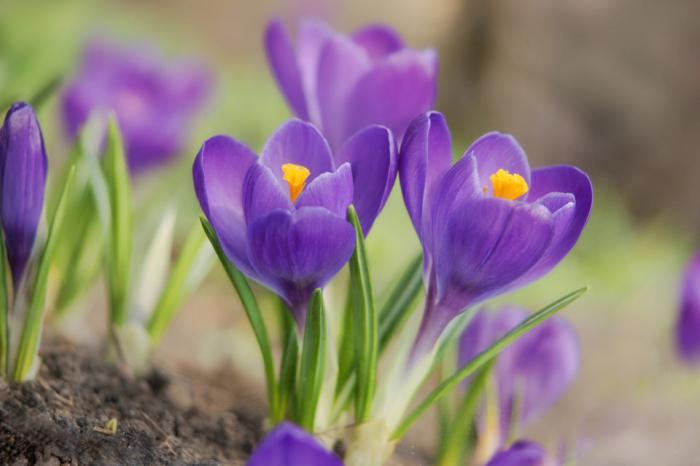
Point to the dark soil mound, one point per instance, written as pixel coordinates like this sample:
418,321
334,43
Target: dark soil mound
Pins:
62,418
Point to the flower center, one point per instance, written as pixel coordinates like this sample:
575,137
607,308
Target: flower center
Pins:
507,185
295,176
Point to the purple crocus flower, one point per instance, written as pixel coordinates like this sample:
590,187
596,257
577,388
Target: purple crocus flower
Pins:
281,218
532,373
154,101
23,166
488,224
688,324
289,445
344,83
521,453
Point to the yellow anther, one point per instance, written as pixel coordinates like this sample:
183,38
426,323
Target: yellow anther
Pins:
295,175
508,185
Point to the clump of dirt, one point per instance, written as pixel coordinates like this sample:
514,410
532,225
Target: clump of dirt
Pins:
63,417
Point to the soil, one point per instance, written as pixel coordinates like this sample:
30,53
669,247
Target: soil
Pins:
62,418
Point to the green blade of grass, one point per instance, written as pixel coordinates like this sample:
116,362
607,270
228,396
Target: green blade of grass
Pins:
484,357
31,331
250,305
365,326
182,279
398,305
120,225
288,368
313,356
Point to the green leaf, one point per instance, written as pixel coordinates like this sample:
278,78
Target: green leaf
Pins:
313,356
31,331
184,277
400,301
484,357
250,305
120,225
365,325
47,90
456,441
4,310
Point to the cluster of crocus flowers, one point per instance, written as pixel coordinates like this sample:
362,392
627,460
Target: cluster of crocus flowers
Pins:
529,376
688,322
344,83
281,218
154,101
488,224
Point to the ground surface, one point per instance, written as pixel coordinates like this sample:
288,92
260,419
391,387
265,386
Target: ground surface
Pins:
61,418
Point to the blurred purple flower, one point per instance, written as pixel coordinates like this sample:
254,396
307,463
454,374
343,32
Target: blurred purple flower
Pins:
154,101
281,218
521,453
344,83
688,324
289,445
487,224
531,374
23,166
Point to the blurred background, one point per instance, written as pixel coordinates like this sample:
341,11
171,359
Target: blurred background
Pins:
612,86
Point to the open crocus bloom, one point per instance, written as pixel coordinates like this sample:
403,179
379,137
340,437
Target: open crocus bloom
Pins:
281,218
289,445
688,324
521,453
488,224
344,83
23,166
154,101
532,373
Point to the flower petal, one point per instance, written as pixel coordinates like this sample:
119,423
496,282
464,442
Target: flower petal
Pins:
313,35
425,156
263,193
23,167
332,191
341,65
295,253
289,445
378,40
688,323
393,92
218,172
495,151
300,143
521,453
372,155
569,219
283,61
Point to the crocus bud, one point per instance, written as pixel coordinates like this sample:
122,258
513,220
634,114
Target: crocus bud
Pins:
289,444
23,168
521,453
688,324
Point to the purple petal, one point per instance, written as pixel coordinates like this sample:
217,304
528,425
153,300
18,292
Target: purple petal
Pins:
23,167
218,172
378,40
263,193
521,453
341,65
313,35
426,155
495,151
295,253
283,62
393,93
485,328
289,445
332,191
372,155
688,324
300,143
570,219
